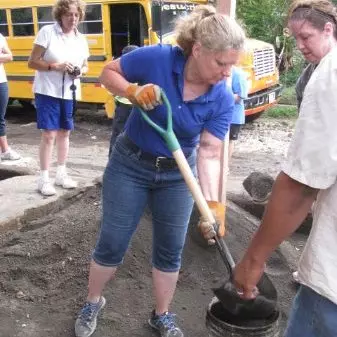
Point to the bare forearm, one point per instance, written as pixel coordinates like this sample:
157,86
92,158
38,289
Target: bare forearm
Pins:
39,65
288,206
209,175
4,58
114,82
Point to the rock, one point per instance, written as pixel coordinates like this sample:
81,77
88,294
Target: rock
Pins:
20,294
259,185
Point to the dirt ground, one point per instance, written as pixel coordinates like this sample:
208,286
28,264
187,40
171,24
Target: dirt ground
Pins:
44,266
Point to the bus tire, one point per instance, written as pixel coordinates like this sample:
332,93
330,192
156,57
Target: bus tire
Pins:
253,117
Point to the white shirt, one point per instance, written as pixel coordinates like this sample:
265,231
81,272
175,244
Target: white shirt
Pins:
312,160
3,77
59,48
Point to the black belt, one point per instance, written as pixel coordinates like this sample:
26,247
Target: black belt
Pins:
158,162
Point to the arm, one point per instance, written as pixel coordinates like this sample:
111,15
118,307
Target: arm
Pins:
36,61
237,98
113,79
85,67
288,206
208,163
6,54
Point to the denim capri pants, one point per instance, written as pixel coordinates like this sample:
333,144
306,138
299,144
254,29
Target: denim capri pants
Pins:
130,184
3,107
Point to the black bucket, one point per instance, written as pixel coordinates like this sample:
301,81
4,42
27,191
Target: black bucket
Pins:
221,323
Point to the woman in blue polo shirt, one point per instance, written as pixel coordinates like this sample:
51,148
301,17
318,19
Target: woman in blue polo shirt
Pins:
141,170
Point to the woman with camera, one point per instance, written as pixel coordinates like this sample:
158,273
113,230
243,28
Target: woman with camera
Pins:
59,57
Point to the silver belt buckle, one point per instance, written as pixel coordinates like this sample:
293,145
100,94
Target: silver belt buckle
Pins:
158,159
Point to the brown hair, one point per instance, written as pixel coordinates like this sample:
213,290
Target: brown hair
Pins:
316,12
61,7
214,31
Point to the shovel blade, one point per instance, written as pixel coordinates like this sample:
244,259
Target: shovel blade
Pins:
263,306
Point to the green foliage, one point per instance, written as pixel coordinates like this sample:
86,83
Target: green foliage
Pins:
288,96
263,19
281,111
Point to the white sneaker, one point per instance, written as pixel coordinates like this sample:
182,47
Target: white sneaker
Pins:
10,155
46,188
65,181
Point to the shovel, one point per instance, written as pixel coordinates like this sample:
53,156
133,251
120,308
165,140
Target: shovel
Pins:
264,305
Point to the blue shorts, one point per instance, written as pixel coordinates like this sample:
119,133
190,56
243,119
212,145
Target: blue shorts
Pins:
54,113
312,315
130,184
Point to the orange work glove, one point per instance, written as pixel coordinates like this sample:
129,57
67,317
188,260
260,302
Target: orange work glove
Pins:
207,230
147,96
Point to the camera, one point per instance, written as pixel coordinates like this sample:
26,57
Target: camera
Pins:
75,72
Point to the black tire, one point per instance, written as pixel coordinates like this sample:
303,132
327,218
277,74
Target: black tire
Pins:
251,118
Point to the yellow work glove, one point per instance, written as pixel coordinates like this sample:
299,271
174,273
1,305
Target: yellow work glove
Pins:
146,96
207,230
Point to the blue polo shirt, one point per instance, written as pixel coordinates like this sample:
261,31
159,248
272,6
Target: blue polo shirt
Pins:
239,87
164,65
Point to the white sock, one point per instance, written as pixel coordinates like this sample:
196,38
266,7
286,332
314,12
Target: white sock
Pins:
44,175
61,170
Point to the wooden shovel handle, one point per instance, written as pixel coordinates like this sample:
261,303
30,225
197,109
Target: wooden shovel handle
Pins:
193,186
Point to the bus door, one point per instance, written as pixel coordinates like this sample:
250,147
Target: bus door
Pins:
128,26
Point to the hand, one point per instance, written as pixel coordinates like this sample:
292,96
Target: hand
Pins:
246,276
147,96
207,229
65,67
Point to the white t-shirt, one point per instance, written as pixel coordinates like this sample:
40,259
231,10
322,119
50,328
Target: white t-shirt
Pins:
59,48
312,160
3,77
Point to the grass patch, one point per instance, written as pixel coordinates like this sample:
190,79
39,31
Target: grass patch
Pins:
280,111
288,96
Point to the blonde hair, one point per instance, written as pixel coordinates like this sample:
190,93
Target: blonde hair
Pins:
316,12
214,31
61,7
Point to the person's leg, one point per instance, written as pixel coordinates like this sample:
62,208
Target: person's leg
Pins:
233,137
3,107
124,197
312,315
46,148
171,204
62,143
6,152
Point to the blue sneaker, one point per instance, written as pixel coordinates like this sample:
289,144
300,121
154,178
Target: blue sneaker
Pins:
165,324
86,321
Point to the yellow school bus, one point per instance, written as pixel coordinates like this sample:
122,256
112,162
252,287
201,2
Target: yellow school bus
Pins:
109,26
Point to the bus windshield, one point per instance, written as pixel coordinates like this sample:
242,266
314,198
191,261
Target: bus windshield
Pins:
171,11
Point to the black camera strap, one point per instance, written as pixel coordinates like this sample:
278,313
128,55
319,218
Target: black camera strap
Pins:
73,90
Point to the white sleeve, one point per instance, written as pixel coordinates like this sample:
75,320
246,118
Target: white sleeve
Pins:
312,155
43,37
85,47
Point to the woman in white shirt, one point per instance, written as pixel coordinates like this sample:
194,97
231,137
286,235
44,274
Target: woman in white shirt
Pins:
5,56
59,56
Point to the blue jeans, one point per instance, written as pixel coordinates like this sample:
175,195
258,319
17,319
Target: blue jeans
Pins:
3,107
312,315
129,185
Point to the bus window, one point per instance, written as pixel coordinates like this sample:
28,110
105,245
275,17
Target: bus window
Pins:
22,21
44,16
3,23
128,26
92,23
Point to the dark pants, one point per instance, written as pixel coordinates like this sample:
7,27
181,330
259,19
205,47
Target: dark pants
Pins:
3,107
122,114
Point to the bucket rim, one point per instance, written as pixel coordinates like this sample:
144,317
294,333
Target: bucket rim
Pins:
233,326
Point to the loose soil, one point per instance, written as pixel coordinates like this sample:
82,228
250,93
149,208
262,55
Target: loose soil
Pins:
44,265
